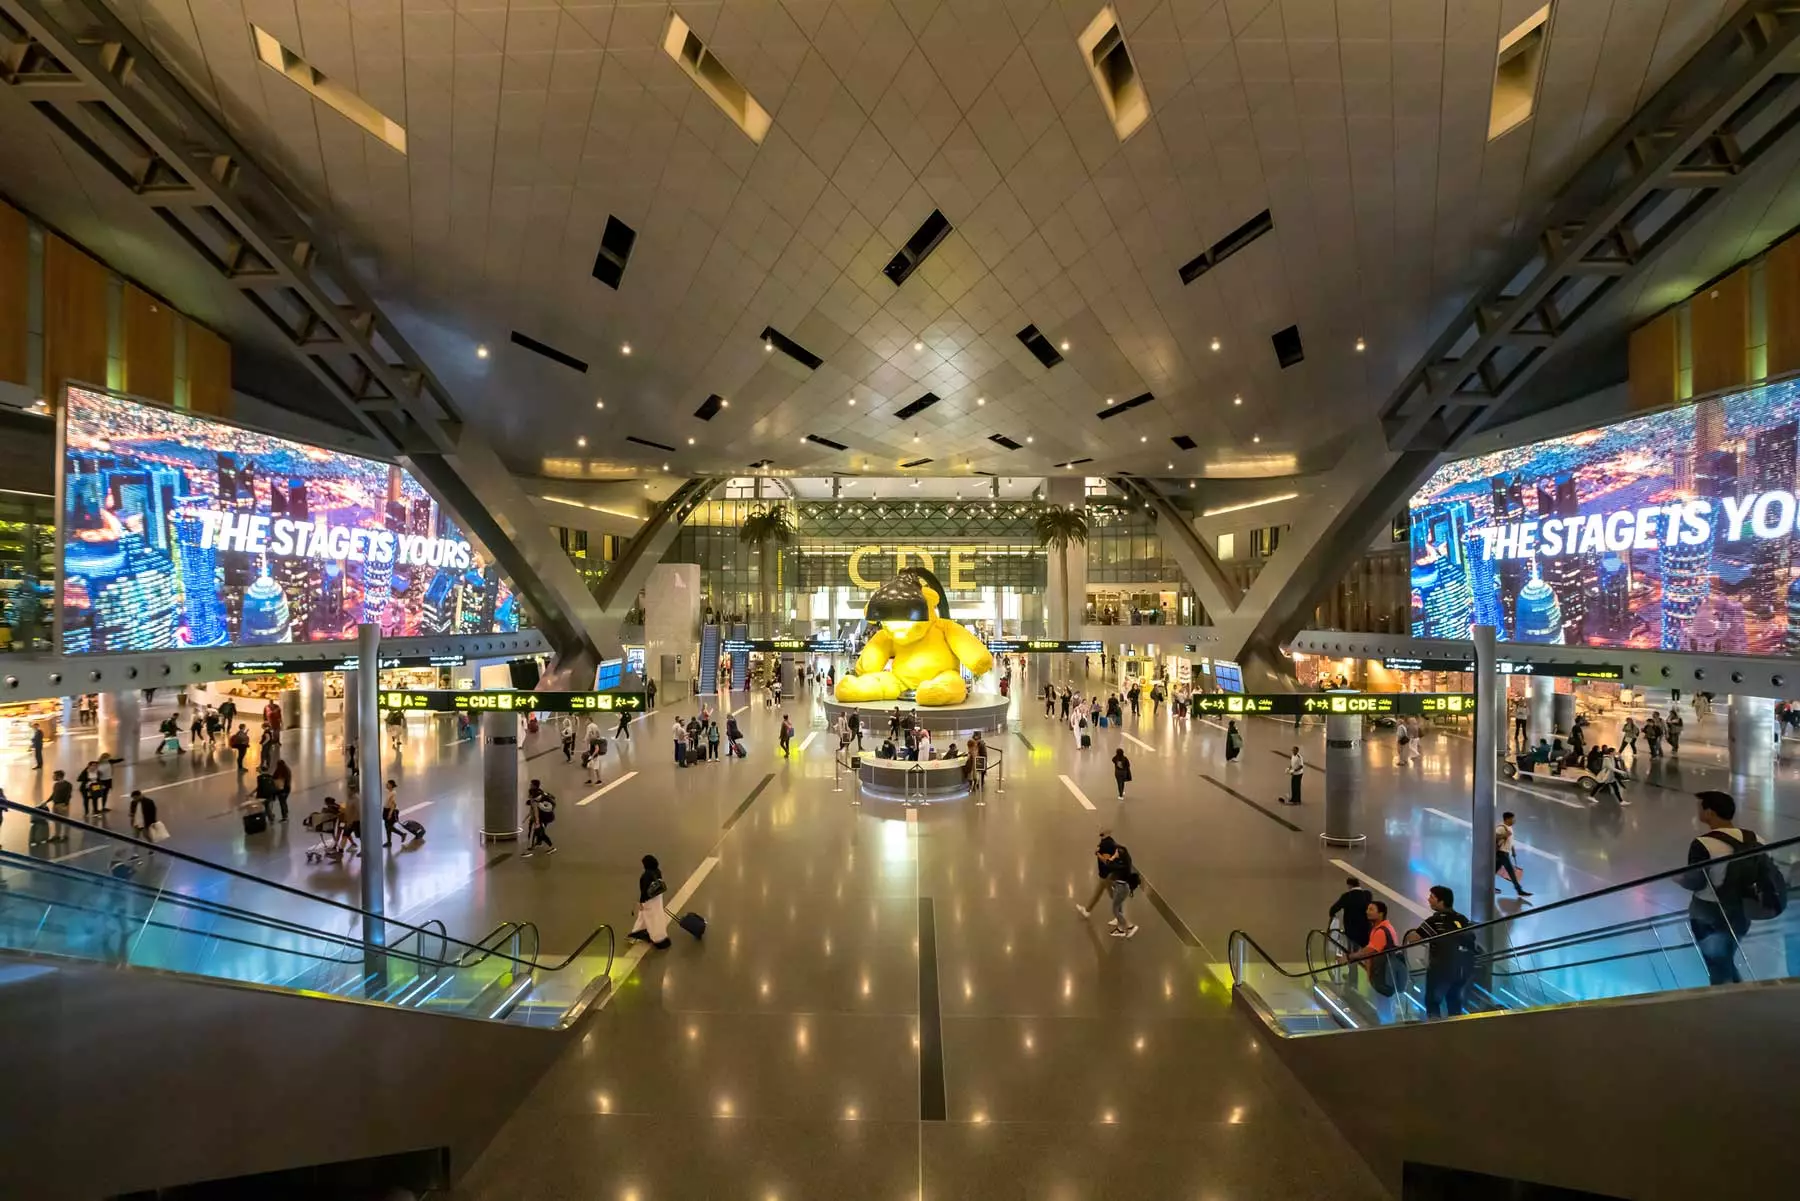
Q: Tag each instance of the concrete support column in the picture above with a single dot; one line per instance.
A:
(499, 776)
(1562, 709)
(121, 720)
(1488, 718)
(1750, 724)
(1343, 779)
(310, 713)
(1540, 697)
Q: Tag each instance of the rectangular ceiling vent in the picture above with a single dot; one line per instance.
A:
(774, 339)
(924, 240)
(616, 242)
(1517, 68)
(916, 463)
(1003, 440)
(691, 55)
(1183, 441)
(1115, 75)
(549, 352)
(1227, 246)
(709, 408)
(1288, 350)
(647, 442)
(824, 441)
(918, 406)
(761, 464)
(336, 96)
(989, 474)
(1073, 463)
(1125, 406)
(1039, 346)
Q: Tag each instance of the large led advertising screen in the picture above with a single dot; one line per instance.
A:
(179, 531)
(1673, 531)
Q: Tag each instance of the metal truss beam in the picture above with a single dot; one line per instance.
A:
(90, 77)
(1670, 164)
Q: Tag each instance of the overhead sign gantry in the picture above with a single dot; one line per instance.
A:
(1293, 704)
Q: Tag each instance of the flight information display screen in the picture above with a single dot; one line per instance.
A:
(282, 667)
(501, 700)
(1506, 667)
(810, 646)
(1290, 704)
(1034, 646)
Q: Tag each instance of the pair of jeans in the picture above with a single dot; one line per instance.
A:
(1444, 992)
(1121, 892)
(1717, 940)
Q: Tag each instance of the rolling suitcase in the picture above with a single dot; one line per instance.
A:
(1086, 742)
(693, 923)
(416, 829)
(256, 820)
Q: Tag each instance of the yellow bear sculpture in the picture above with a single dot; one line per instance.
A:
(927, 650)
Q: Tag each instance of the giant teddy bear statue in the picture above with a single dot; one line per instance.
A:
(928, 650)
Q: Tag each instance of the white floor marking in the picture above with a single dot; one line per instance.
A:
(807, 741)
(591, 797)
(229, 771)
(417, 807)
(1079, 795)
(1215, 725)
(79, 854)
(650, 713)
(1406, 903)
(1523, 846)
(1541, 794)
(627, 964)
(1139, 741)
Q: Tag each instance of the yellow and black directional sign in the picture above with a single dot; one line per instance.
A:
(501, 700)
(1289, 704)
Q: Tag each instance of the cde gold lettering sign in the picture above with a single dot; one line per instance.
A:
(954, 565)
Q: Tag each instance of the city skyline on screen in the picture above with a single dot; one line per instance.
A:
(180, 531)
(1672, 531)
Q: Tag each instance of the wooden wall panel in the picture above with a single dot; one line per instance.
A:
(1720, 329)
(1781, 284)
(1654, 363)
(15, 265)
(208, 372)
(74, 317)
(149, 346)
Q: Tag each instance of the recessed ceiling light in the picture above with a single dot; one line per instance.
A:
(918, 346)
(1256, 437)
(1215, 344)
(1109, 400)
(646, 485)
(625, 348)
(1237, 400)
(1143, 437)
(481, 352)
(581, 441)
(1360, 345)
(981, 400)
(1029, 438)
(1171, 465)
(1190, 483)
(723, 403)
(665, 466)
(767, 346)
(1065, 344)
(690, 441)
(599, 404)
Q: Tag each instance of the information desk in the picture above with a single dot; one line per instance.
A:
(984, 711)
(906, 780)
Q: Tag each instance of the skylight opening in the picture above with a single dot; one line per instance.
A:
(342, 100)
(1115, 75)
(683, 45)
(1517, 69)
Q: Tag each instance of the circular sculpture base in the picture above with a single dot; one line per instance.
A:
(914, 783)
(983, 711)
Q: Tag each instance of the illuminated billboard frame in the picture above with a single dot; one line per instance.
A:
(177, 531)
(1672, 531)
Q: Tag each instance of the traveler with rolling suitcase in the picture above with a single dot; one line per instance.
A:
(651, 921)
(680, 744)
(540, 811)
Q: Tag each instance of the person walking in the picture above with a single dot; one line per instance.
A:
(1351, 913)
(1066, 697)
(1628, 735)
(1450, 956)
(712, 741)
(1521, 742)
(1296, 770)
(37, 746)
(1673, 726)
(856, 728)
(212, 726)
(1402, 743)
(1135, 696)
(734, 737)
(650, 922)
(171, 740)
(787, 735)
(595, 758)
(1100, 862)
(1653, 733)
(62, 795)
(283, 778)
(84, 784)
(540, 811)
(1049, 706)
(196, 730)
(1716, 914)
(1121, 766)
(103, 782)
(1505, 864)
(649, 695)
(565, 729)
(1122, 880)
(1234, 742)
(142, 811)
(349, 824)
(623, 730)
(1610, 777)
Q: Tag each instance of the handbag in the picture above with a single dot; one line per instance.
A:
(158, 832)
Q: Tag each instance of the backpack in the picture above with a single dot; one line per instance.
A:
(546, 808)
(1387, 971)
(1755, 883)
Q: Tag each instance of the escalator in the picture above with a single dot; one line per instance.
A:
(1587, 1023)
(140, 986)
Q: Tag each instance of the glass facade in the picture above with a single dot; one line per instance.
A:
(27, 570)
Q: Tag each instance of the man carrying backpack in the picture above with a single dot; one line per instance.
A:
(1727, 897)
(540, 811)
(1451, 957)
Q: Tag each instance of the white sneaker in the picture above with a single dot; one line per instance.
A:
(1083, 910)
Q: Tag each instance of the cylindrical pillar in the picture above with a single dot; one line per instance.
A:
(499, 776)
(121, 723)
(1540, 701)
(1562, 709)
(374, 851)
(1750, 725)
(311, 712)
(1481, 809)
(1343, 779)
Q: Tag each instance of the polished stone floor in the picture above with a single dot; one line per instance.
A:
(802, 1050)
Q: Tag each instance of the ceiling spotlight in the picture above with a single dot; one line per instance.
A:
(1360, 346)
(1029, 438)
(981, 400)
(690, 441)
(1109, 400)
(767, 346)
(481, 352)
(915, 437)
(1171, 465)
(723, 403)
(1237, 400)
(1190, 483)
(1215, 344)
(1143, 437)
(853, 400)
(582, 441)
(1065, 344)
(1256, 437)
(665, 466)
(918, 346)
(802, 439)
(599, 404)
(625, 348)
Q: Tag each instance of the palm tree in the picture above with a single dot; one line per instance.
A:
(764, 527)
(1058, 529)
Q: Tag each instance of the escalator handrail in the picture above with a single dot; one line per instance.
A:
(159, 848)
(1761, 848)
